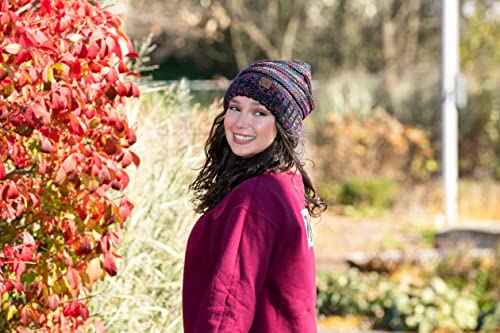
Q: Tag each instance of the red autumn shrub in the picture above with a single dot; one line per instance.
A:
(63, 150)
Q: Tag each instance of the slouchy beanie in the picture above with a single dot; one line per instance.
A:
(282, 86)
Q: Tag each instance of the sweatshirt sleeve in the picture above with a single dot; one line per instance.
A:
(241, 267)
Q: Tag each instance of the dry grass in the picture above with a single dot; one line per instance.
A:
(145, 296)
(478, 201)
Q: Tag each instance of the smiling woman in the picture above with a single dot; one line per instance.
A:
(249, 126)
(249, 264)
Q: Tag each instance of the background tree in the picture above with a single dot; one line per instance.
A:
(331, 34)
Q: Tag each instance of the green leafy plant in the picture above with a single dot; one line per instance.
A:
(490, 322)
(375, 192)
(359, 196)
(63, 150)
(395, 304)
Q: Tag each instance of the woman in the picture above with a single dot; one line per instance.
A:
(249, 263)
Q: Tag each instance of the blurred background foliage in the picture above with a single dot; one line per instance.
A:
(458, 293)
(369, 57)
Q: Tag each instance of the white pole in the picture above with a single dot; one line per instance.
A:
(449, 117)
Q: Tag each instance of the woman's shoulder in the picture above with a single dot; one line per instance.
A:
(270, 180)
(270, 186)
(283, 178)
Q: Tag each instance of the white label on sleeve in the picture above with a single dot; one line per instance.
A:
(307, 223)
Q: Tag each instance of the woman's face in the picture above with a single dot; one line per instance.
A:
(249, 126)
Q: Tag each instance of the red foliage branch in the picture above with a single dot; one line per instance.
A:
(63, 150)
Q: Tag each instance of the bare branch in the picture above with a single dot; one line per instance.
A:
(260, 39)
(291, 34)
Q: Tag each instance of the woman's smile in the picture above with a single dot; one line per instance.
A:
(242, 139)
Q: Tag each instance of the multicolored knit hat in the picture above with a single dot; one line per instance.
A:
(282, 86)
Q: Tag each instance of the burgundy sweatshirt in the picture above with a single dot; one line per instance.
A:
(249, 263)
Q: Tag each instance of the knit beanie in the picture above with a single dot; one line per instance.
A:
(282, 86)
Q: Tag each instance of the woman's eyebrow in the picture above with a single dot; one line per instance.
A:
(253, 103)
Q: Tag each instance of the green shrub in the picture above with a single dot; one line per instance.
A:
(330, 191)
(375, 192)
(491, 321)
(400, 306)
(359, 196)
(475, 275)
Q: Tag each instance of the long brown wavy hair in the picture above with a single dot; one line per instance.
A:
(223, 171)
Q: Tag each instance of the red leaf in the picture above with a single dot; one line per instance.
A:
(63, 23)
(69, 164)
(13, 284)
(125, 208)
(132, 55)
(112, 47)
(13, 48)
(135, 91)
(95, 170)
(126, 159)
(75, 309)
(18, 285)
(99, 327)
(103, 50)
(93, 50)
(94, 269)
(84, 312)
(85, 247)
(83, 52)
(46, 146)
(28, 239)
(131, 136)
(52, 302)
(60, 176)
(135, 159)
(58, 102)
(9, 285)
(3, 174)
(76, 68)
(111, 145)
(125, 179)
(40, 111)
(27, 253)
(23, 56)
(126, 46)
(10, 191)
(122, 67)
(122, 89)
(66, 309)
(109, 264)
(26, 316)
(116, 184)
(110, 92)
(34, 199)
(21, 267)
(73, 279)
(69, 58)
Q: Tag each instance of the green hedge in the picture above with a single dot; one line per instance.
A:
(401, 306)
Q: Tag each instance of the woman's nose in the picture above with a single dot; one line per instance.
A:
(242, 120)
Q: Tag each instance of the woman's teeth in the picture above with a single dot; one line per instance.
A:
(243, 137)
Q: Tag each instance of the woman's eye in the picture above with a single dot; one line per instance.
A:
(234, 108)
(260, 113)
